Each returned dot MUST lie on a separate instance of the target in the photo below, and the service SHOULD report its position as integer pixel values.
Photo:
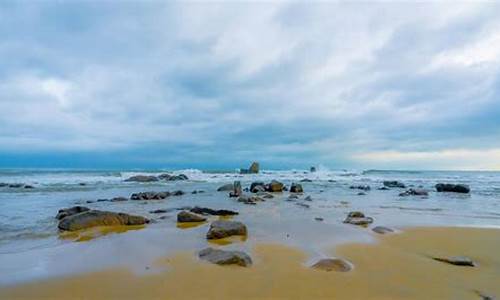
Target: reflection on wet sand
(95, 232)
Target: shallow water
(31, 247)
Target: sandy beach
(397, 266)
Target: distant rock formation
(254, 169)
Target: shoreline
(396, 266)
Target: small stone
(332, 264)
(223, 257)
(457, 261)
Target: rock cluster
(154, 195)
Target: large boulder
(226, 188)
(66, 212)
(394, 184)
(332, 264)
(296, 188)
(142, 178)
(455, 188)
(223, 257)
(149, 196)
(214, 212)
(358, 218)
(221, 229)
(93, 218)
(185, 216)
(275, 186)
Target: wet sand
(398, 266)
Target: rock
(308, 198)
(223, 257)
(177, 193)
(221, 229)
(382, 230)
(258, 186)
(16, 185)
(484, 296)
(142, 178)
(29, 186)
(318, 219)
(358, 218)
(457, 261)
(305, 180)
(102, 200)
(414, 192)
(250, 199)
(226, 188)
(360, 187)
(237, 190)
(394, 184)
(3, 184)
(119, 199)
(185, 216)
(296, 188)
(455, 188)
(213, 212)
(265, 195)
(66, 212)
(82, 184)
(302, 205)
(159, 211)
(384, 188)
(254, 168)
(332, 264)
(275, 186)
(312, 169)
(92, 218)
(169, 177)
(361, 194)
(150, 196)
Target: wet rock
(318, 219)
(302, 205)
(265, 195)
(332, 264)
(250, 199)
(226, 188)
(275, 186)
(308, 198)
(296, 188)
(142, 178)
(237, 190)
(92, 218)
(358, 218)
(16, 185)
(169, 177)
(223, 257)
(66, 212)
(312, 169)
(455, 188)
(185, 216)
(149, 196)
(177, 193)
(360, 187)
(82, 184)
(306, 180)
(382, 230)
(414, 192)
(258, 186)
(384, 188)
(221, 229)
(361, 194)
(457, 261)
(213, 212)
(29, 186)
(394, 184)
(119, 199)
(102, 200)
(158, 211)
(292, 197)
(89, 201)
(3, 184)
(254, 169)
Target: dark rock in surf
(382, 230)
(119, 199)
(358, 218)
(360, 187)
(275, 186)
(414, 192)
(455, 188)
(296, 188)
(185, 216)
(66, 212)
(457, 261)
(236, 190)
(214, 212)
(332, 264)
(142, 178)
(150, 196)
(394, 184)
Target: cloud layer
(218, 85)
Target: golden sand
(398, 267)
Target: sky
(210, 85)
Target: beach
(286, 234)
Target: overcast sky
(217, 85)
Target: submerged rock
(169, 177)
(265, 195)
(66, 212)
(360, 187)
(159, 211)
(185, 216)
(142, 178)
(92, 218)
(119, 199)
(312, 169)
(358, 218)
(226, 188)
(302, 205)
(394, 184)
(319, 219)
(457, 261)
(382, 230)
(16, 185)
(223, 257)
(296, 188)
(332, 264)
(306, 180)
(149, 196)
(221, 229)
(214, 212)
(414, 192)
(455, 188)
(250, 199)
